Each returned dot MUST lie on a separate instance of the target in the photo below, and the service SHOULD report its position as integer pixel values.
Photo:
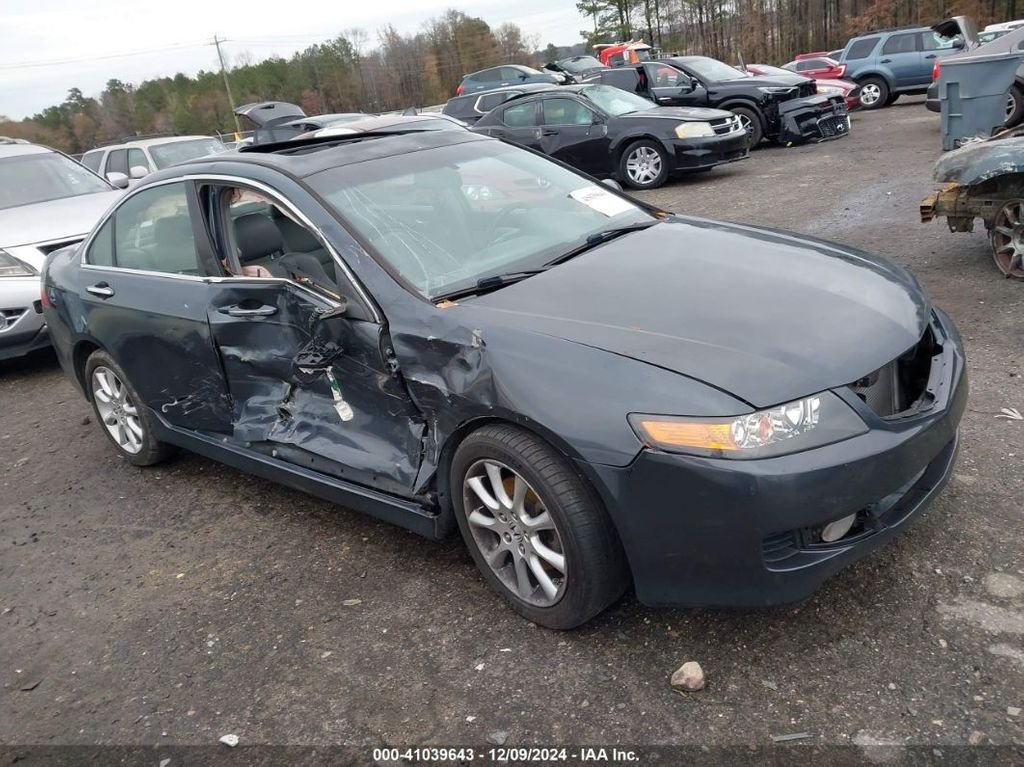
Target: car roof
(304, 157)
(17, 150)
(144, 142)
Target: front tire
(121, 413)
(874, 93)
(752, 124)
(534, 527)
(643, 165)
(1014, 106)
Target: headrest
(257, 237)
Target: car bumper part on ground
(22, 329)
(695, 154)
(705, 531)
(812, 119)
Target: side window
(512, 74)
(566, 112)
(660, 76)
(933, 41)
(488, 76)
(91, 160)
(117, 162)
(521, 116)
(491, 100)
(861, 49)
(136, 157)
(153, 231)
(900, 44)
(101, 251)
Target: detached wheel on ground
(1008, 239)
(643, 165)
(536, 530)
(751, 121)
(120, 412)
(1014, 106)
(874, 93)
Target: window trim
(279, 199)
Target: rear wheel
(120, 412)
(643, 165)
(534, 527)
(1008, 239)
(751, 122)
(1014, 106)
(874, 93)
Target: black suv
(785, 109)
(472, 106)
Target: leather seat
(261, 243)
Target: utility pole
(227, 85)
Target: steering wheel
(505, 213)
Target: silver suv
(47, 201)
(138, 158)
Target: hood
(979, 161)
(54, 220)
(678, 114)
(768, 81)
(766, 316)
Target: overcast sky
(167, 36)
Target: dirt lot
(177, 604)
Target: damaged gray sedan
(453, 333)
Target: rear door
(901, 55)
(934, 46)
(144, 295)
(571, 133)
(520, 122)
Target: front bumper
(812, 119)
(705, 531)
(695, 154)
(22, 329)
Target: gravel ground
(175, 604)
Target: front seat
(260, 243)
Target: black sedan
(607, 132)
(450, 332)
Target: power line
(81, 59)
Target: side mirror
(959, 44)
(694, 83)
(138, 171)
(612, 183)
(118, 179)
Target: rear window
(861, 49)
(491, 100)
(91, 160)
(487, 75)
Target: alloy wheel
(746, 123)
(870, 93)
(1011, 105)
(116, 409)
(1008, 239)
(643, 165)
(514, 532)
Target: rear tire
(535, 528)
(751, 120)
(1014, 106)
(121, 413)
(874, 93)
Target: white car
(47, 201)
(138, 158)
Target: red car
(817, 66)
(850, 91)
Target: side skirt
(404, 513)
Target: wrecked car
(984, 179)
(450, 332)
(784, 109)
(607, 133)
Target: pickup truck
(783, 109)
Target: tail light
(460, 90)
(935, 69)
(44, 297)
(841, 71)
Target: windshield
(711, 70)
(447, 217)
(174, 152)
(580, 64)
(31, 178)
(615, 101)
(771, 71)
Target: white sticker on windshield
(602, 201)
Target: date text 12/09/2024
(504, 754)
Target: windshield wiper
(489, 283)
(599, 238)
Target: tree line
(402, 70)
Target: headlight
(776, 90)
(694, 130)
(829, 90)
(12, 267)
(789, 428)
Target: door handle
(243, 311)
(930, 56)
(885, 61)
(101, 289)
(549, 132)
